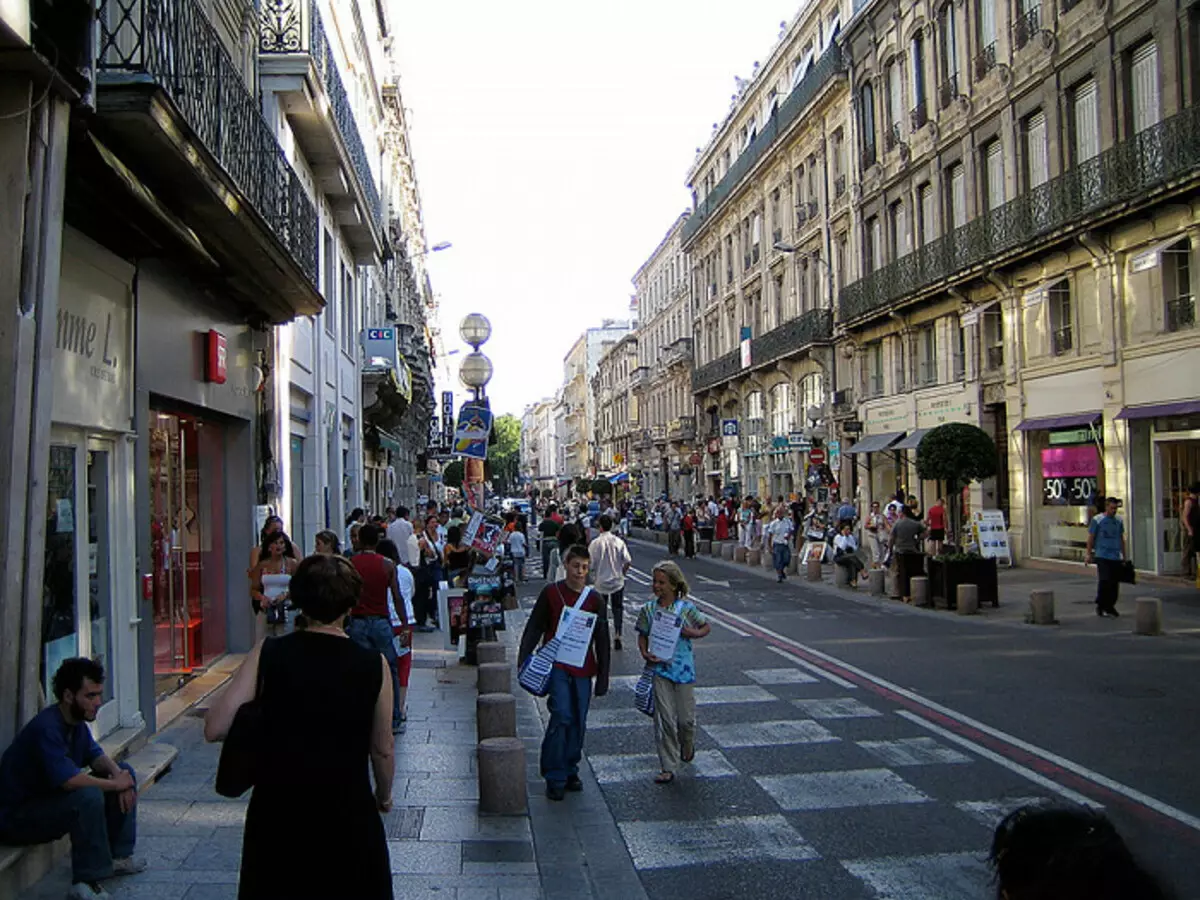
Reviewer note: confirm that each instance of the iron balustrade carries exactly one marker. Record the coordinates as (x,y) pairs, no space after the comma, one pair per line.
(172,45)
(1026,26)
(719,370)
(948,91)
(812,327)
(1181,313)
(985,61)
(839,185)
(891,137)
(1123,173)
(919,116)
(281,30)
(995,358)
(1062,340)
(828,67)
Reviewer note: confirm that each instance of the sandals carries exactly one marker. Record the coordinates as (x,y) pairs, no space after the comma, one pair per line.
(664,777)
(688,755)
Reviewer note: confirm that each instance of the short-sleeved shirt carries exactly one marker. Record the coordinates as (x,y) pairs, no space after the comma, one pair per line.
(682,667)
(906,535)
(47,754)
(1106,531)
(937,517)
(549,528)
(516,544)
(780,530)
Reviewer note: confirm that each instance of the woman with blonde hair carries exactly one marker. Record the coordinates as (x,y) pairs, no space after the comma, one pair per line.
(674,676)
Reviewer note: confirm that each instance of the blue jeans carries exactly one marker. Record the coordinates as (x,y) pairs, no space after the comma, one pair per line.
(99,831)
(781,555)
(562,747)
(519,567)
(375,633)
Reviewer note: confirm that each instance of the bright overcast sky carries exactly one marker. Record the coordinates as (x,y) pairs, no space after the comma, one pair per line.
(552,145)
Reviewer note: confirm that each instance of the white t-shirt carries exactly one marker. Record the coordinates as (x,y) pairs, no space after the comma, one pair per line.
(845,543)
(780,530)
(609,557)
(516,544)
(398,533)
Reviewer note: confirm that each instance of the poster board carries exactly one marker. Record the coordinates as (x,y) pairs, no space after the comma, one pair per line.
(988,528)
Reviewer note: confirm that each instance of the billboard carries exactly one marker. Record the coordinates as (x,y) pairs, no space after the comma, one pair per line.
(474,427)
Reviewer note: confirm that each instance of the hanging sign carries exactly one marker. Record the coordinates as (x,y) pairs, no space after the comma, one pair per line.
(474,427)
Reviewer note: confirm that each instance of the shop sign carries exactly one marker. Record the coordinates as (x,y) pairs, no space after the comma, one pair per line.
(797,441)
(935,411)
(884,417)
(854,426)
(1072,436)
(379,348)
(447,419)
(1069,475)
(216,357)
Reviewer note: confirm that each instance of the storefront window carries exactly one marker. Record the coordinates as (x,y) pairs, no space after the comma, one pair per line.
(99,564)
(1070,479)
(297,525)
(60,639)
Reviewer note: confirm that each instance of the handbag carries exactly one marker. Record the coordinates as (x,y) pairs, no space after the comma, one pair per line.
(242,748)
(643,692)
(276,614)
(1126,573)
(534,674)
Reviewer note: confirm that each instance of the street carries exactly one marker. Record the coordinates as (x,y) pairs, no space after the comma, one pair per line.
(861,748)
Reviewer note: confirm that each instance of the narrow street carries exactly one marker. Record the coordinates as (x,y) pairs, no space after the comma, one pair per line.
(862,748)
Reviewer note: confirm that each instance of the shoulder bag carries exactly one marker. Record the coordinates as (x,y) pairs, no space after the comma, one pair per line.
(243,746)
(534,674)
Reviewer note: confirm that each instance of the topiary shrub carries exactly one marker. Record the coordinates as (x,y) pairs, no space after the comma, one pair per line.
(957,454)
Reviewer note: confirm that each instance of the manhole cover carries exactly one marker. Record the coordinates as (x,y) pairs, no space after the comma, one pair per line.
(1133,692)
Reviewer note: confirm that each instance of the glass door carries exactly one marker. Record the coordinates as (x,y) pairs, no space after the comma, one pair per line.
(172,659)
(101,594)
(1177,466)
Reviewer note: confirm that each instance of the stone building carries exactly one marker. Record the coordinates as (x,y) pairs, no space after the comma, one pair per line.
(615,404)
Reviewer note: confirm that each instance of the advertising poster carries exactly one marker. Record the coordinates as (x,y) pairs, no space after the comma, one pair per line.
(471,435)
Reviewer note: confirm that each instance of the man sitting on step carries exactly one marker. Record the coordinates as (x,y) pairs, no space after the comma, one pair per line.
(56,780)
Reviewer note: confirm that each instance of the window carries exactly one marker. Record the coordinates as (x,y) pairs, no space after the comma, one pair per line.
(873,369)
(927,368)
(348,308)
(985,61)
(799,189)
(874,244)
(728,260)
(836,150)
(756,237)
(948,56)
(842,249)
(894,104)
(1027,24)
(801,65)
(802,295)
(781,408)
(331,284)
(928,228)
(866,112)
(777,299)
(899,360)
(1037,161)
(920,114)
(776,219)
(1062,332)
(958,358)
(993,173)
(993,339)
(1143,87)
(1177,286)
(899,226)
(1085,131)
(957,178)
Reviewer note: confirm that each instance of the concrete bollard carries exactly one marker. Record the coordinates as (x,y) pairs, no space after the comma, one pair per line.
(754,557)
(875,582)
(704,547)
(967,601)
(495,678)
(495,716)
(891,584)
(490,652)
(768,559)
(841,576)
(1147,616)
(502,777)
(739,553)
(812,570)
(728,549)
(794,563)
(1041,608)
(919,590)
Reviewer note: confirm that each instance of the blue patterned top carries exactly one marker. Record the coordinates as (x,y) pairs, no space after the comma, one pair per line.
(682,667)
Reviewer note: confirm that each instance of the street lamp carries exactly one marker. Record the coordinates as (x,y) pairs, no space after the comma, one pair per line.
(475,372)
(475,329)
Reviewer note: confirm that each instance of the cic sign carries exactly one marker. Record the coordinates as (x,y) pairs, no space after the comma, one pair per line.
(379,348)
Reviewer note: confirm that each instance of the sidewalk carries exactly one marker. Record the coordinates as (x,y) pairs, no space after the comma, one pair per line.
(1074,597)
(441,848)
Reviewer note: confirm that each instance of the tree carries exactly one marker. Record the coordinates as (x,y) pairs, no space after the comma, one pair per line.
(504,454)
(452,474)
(602,487)
(957,454)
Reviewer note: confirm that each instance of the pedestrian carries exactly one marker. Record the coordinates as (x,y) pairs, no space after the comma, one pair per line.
(358,516)
(674,519)
(56,780)
(779,537)
(609,561)
(326,703)
(327,543)
(674,677)
(687,527)
(904,542)
(398,532)
(548,530)
(272,525)
(1066,853)
(935,521)
(428,575)
(517,549)
(721,529)
(401,626)
(270,580)
(1190,517)
(845,552)
(380,601)
(456,556)
(570,685)
(1106,548)
(568,536)
(914,506)
(876,527)
(846,512)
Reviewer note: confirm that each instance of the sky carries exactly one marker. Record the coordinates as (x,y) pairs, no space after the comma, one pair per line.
(552,143)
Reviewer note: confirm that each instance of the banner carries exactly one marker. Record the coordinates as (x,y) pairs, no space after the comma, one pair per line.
(474,427)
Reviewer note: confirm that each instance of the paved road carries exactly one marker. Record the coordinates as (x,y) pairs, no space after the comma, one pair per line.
(864,749)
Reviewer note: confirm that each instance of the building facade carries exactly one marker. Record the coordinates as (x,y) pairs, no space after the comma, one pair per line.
(768,242)
(1024,223)
(666,313)
(615,405)
(578,403)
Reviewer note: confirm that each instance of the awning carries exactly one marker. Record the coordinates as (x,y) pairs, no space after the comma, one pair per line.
(913,441)
(618,478)
(388,442)
(1074,421)
(1153,411)
(874,442)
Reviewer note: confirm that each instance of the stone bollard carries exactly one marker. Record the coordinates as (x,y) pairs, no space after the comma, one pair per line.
(495,716)
(875,582)
(891,584)
(739,553)
(967,601)
(754,557)
(495,678)
(1041,608)
(794,563)
(812,570)
(919,590)
(728,550)
(841,576)
(1147,616)
(768,559)
(490,652)
(502,777)
(704,547)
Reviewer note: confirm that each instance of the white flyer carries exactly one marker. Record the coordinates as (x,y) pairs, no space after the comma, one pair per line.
(575,629)
(664,632)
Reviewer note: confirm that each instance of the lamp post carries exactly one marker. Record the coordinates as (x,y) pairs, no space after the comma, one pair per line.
(475,371)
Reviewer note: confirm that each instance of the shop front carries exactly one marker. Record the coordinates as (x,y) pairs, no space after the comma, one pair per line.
(881,470)
(1064,458)
(89,605)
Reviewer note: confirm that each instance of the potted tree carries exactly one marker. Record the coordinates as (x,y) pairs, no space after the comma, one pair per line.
(958,453)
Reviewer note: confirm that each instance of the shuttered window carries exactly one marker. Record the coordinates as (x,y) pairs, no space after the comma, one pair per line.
(1087,122)
(987,23)
(958,197)
(1144,87)
(928,229)
(1037,159)
(994,173)
(900,244)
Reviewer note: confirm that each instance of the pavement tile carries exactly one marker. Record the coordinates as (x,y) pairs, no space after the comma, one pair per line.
(442,790)
(425,857)
(165,852)
(212,892)
(214,814)
(455,823)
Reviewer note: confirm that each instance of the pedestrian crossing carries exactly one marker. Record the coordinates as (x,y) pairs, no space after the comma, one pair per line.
(827,787)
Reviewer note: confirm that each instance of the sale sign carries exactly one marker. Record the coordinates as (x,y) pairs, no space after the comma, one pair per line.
(1070,462)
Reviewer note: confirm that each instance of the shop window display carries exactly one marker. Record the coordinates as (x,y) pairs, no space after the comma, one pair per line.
(1071,479)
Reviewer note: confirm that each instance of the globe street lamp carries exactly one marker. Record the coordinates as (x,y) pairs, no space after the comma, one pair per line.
(475,372)
(475,329)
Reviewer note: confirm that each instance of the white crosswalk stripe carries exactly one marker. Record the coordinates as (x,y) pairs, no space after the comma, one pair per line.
(838,790)
(933,877)
(662,845)
(920,751)
(641,766)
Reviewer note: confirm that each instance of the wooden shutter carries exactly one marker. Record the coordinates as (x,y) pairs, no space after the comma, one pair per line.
(1144,87)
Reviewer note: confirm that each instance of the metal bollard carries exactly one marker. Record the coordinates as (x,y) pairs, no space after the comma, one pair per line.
(1147,616)
(918,587)
(967,601)
(1041,608)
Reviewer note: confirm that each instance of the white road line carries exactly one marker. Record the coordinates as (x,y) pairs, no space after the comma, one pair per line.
(816,670)
(728,627)
(1096,778)
(1007,763)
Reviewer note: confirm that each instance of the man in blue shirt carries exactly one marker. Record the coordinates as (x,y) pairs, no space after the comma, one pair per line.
(55,779)
(1106,547)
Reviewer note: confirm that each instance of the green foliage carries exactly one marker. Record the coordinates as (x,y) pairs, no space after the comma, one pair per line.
(957,557)
(452,474)
(504,454)
(603,487)
(583,485)
(956,453)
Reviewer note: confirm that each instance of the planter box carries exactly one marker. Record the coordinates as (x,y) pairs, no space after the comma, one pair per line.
(945,577)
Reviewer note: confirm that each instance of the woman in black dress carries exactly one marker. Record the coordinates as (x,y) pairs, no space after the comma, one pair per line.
(327,707)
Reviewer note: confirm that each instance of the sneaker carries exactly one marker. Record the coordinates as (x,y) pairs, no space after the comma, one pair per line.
(554,792)
(129,865)
(617,644)
(85,891)
(574,784)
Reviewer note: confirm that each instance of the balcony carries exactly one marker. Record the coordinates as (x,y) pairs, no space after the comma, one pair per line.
(1132,173)
(826,69)
(1181,313)
(919,116)
(793,336)
(1062,340)
(716,372)
(1026,26)
(173,106)
(985,61)
(891,137)
(682,429)
(639,377)
(658,433)
(642,440)
(297,64)
(839,185)
(994,358)
(678,353)
(948,91)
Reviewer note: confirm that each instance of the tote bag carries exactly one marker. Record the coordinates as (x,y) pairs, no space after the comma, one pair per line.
(643,692)
(245,744)
(534,674)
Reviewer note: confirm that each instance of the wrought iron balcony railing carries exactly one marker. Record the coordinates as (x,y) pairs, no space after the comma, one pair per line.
(1181,313)
(172,44)
(828,67)
(719,370)
(811,327)
(284,26)
(1026,26)
(994,358)
(1062,340)
(948,91)
(891,137)
(985,61)
(839,185)
(919,116)
(1124,173)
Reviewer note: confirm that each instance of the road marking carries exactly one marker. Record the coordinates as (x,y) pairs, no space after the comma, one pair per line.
(839,790)
(668,845)
(935,875)
(989,812)
(1015,748)
(770,734)
(920,751)
(619,768)
(1004,761)
(779,676)
(816,670)
(712,581)
(836,708)
(729,627)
